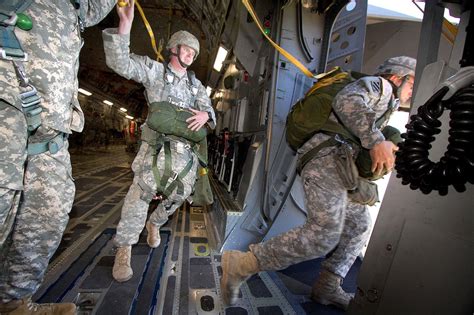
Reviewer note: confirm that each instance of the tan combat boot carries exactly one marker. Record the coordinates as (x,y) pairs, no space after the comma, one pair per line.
(27,307)
(122,270)
(236,268)
(327,290)
(153,238)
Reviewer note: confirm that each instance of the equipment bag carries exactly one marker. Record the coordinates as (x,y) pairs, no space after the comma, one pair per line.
(169,119)
(310,114)
(202,195)
(364,161)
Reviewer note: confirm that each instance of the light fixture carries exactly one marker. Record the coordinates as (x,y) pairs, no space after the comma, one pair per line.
(82,91)
(129,117)
(108,102)
(123,109)
(208,90)
(221,55)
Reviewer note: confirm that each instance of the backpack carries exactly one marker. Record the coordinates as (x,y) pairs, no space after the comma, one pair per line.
(310,114)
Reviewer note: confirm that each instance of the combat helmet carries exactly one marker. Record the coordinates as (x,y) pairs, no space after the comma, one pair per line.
(400,66)
(184,38)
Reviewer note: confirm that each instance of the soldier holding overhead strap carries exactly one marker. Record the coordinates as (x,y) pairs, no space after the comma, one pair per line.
(337,222)
(166,165)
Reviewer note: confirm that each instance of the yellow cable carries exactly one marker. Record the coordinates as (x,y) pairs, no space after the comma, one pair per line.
(150,33)
(281,50)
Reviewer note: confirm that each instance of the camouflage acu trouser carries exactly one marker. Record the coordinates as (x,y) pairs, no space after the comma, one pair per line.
(40,222)
(135,207)
(13,139)
(332,221)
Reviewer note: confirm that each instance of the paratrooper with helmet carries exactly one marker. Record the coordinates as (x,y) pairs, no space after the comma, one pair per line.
(166,165)
(338,221)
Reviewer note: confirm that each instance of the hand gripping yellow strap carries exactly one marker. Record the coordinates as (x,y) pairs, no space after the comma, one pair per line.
(292,59)
(148,27)
(150,32)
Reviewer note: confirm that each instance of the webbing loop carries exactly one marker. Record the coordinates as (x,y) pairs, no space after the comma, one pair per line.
(150,33)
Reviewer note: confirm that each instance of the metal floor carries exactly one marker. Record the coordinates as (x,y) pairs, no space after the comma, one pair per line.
(181,276)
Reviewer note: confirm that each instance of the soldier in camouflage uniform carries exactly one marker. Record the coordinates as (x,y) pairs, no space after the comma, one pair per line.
(163,82)
(334,221)
(36,186)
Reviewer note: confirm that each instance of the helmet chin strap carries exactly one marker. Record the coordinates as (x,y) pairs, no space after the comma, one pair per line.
(179,58)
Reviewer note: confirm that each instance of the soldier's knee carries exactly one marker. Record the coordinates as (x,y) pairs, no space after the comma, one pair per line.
(326,237)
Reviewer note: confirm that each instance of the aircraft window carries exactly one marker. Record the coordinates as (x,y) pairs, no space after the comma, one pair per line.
(351,30)
(351,5)
(344,44)
(335,37)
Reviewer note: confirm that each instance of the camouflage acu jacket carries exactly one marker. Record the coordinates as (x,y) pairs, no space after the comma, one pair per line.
(53,47)
(151,74)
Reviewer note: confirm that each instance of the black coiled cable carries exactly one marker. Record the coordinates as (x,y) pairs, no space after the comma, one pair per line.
(456,167)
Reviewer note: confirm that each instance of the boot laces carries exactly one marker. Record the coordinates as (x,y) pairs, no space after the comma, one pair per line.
(122,257)
(32,306)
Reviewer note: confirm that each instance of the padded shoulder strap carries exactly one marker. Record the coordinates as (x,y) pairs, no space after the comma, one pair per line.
(17,6)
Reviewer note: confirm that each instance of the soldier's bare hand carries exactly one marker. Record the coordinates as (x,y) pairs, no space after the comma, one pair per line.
(383,156)
(125,11)
(198,120)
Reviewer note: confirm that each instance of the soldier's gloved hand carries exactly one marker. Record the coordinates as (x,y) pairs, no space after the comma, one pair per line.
(383,156)
(198,120)
(126,14)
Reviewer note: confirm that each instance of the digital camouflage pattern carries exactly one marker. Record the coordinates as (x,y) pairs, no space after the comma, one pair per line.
(400,66)
(333,220)
(53,47)
(135,208)
(13,155)
(184,38)
(151,74)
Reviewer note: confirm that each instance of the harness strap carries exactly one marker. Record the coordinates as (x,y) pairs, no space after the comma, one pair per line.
(147,192)
(334,128)
(168,172)
(10,47)
(308,156)
(53,145)
(179,180)
(13,6)
(31,106)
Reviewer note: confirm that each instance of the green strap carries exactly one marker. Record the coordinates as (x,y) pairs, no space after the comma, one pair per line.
(53,145)
(178,181)
(154,168)
(308,156)
(168,166)
(167,173)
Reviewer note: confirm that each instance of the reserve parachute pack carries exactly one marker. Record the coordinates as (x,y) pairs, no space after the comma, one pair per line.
(311,114)
(169,119)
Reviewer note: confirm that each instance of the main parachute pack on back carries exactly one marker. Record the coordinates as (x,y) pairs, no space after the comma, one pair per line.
(310,114)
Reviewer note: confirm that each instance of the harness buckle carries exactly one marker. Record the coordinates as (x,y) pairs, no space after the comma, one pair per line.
(19,57)
(21,74)
(174,175)
(13,17)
